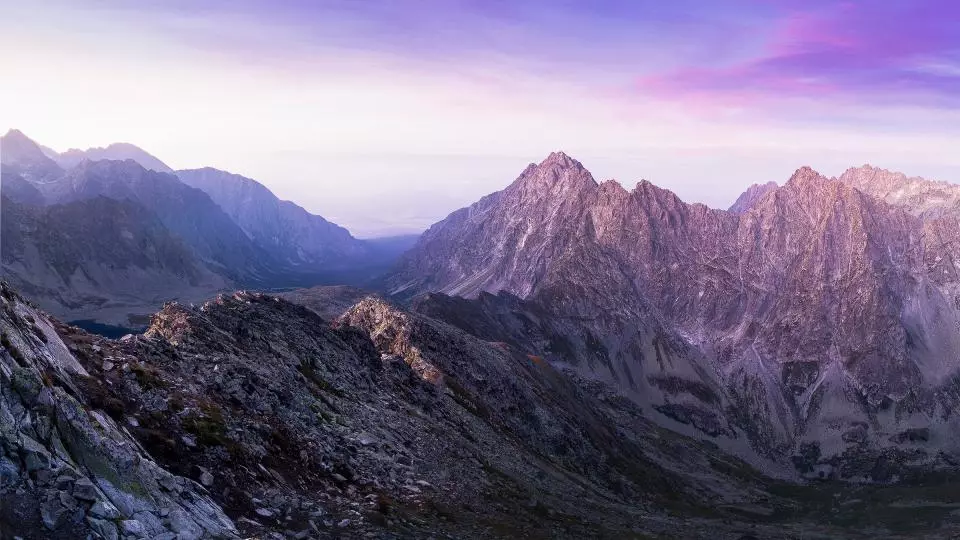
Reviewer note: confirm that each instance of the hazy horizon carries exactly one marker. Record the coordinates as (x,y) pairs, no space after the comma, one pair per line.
(385,117)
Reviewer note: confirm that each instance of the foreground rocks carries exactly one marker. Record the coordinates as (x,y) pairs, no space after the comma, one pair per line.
(250,416)
(69,471)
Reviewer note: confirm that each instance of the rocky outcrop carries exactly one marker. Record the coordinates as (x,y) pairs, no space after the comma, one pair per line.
(68,470)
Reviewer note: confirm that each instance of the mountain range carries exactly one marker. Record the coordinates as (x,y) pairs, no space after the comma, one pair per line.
(822,313)
(229,232)
(564,358)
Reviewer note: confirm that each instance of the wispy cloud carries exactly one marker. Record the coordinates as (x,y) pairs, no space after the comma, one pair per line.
(893,52)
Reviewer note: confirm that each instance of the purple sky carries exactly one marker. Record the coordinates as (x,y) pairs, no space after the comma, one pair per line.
(387,115)
(889,52)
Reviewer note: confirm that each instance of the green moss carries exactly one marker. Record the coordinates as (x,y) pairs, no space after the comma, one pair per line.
(100,398)
(208,425)
(319,382)
(176,403)
(148,377)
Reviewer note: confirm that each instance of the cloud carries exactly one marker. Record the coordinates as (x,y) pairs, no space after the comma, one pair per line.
(887,53)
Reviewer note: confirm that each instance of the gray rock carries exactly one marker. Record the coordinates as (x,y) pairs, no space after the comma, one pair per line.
(170,483)
(65,482)
(53,514)
(84,490)
(36,457)
(9,472)
(151,523)
(67,500)
(132,527)
(104,510)
(206,479)
(106,529)
(186,528)
(265,512)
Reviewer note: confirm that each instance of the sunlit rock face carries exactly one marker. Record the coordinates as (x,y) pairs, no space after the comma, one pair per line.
(821,311)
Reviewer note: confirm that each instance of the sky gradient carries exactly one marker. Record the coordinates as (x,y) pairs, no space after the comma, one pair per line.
(384,116)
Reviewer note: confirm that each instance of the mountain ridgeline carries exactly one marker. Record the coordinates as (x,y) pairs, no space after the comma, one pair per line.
(77,224)
(816,320)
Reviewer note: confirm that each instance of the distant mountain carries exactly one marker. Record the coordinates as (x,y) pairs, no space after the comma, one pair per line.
(283,229)
(234,229)
(750,197)
(113,152)
(928,199)
(99,258)
(814,308)
(24,157)
(187,212)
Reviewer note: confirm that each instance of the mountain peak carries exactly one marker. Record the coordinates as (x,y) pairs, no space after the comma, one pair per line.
(560,159)
(15,134)
(21,151)
(806,175)
(17,139)
(558,173)
(748,198)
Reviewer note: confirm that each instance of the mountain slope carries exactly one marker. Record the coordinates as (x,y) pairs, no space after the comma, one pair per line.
(68,470)
(815,309)
(249,416)
(101,259)
(287,231)
(187,212)
(383,423)
(18,189)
